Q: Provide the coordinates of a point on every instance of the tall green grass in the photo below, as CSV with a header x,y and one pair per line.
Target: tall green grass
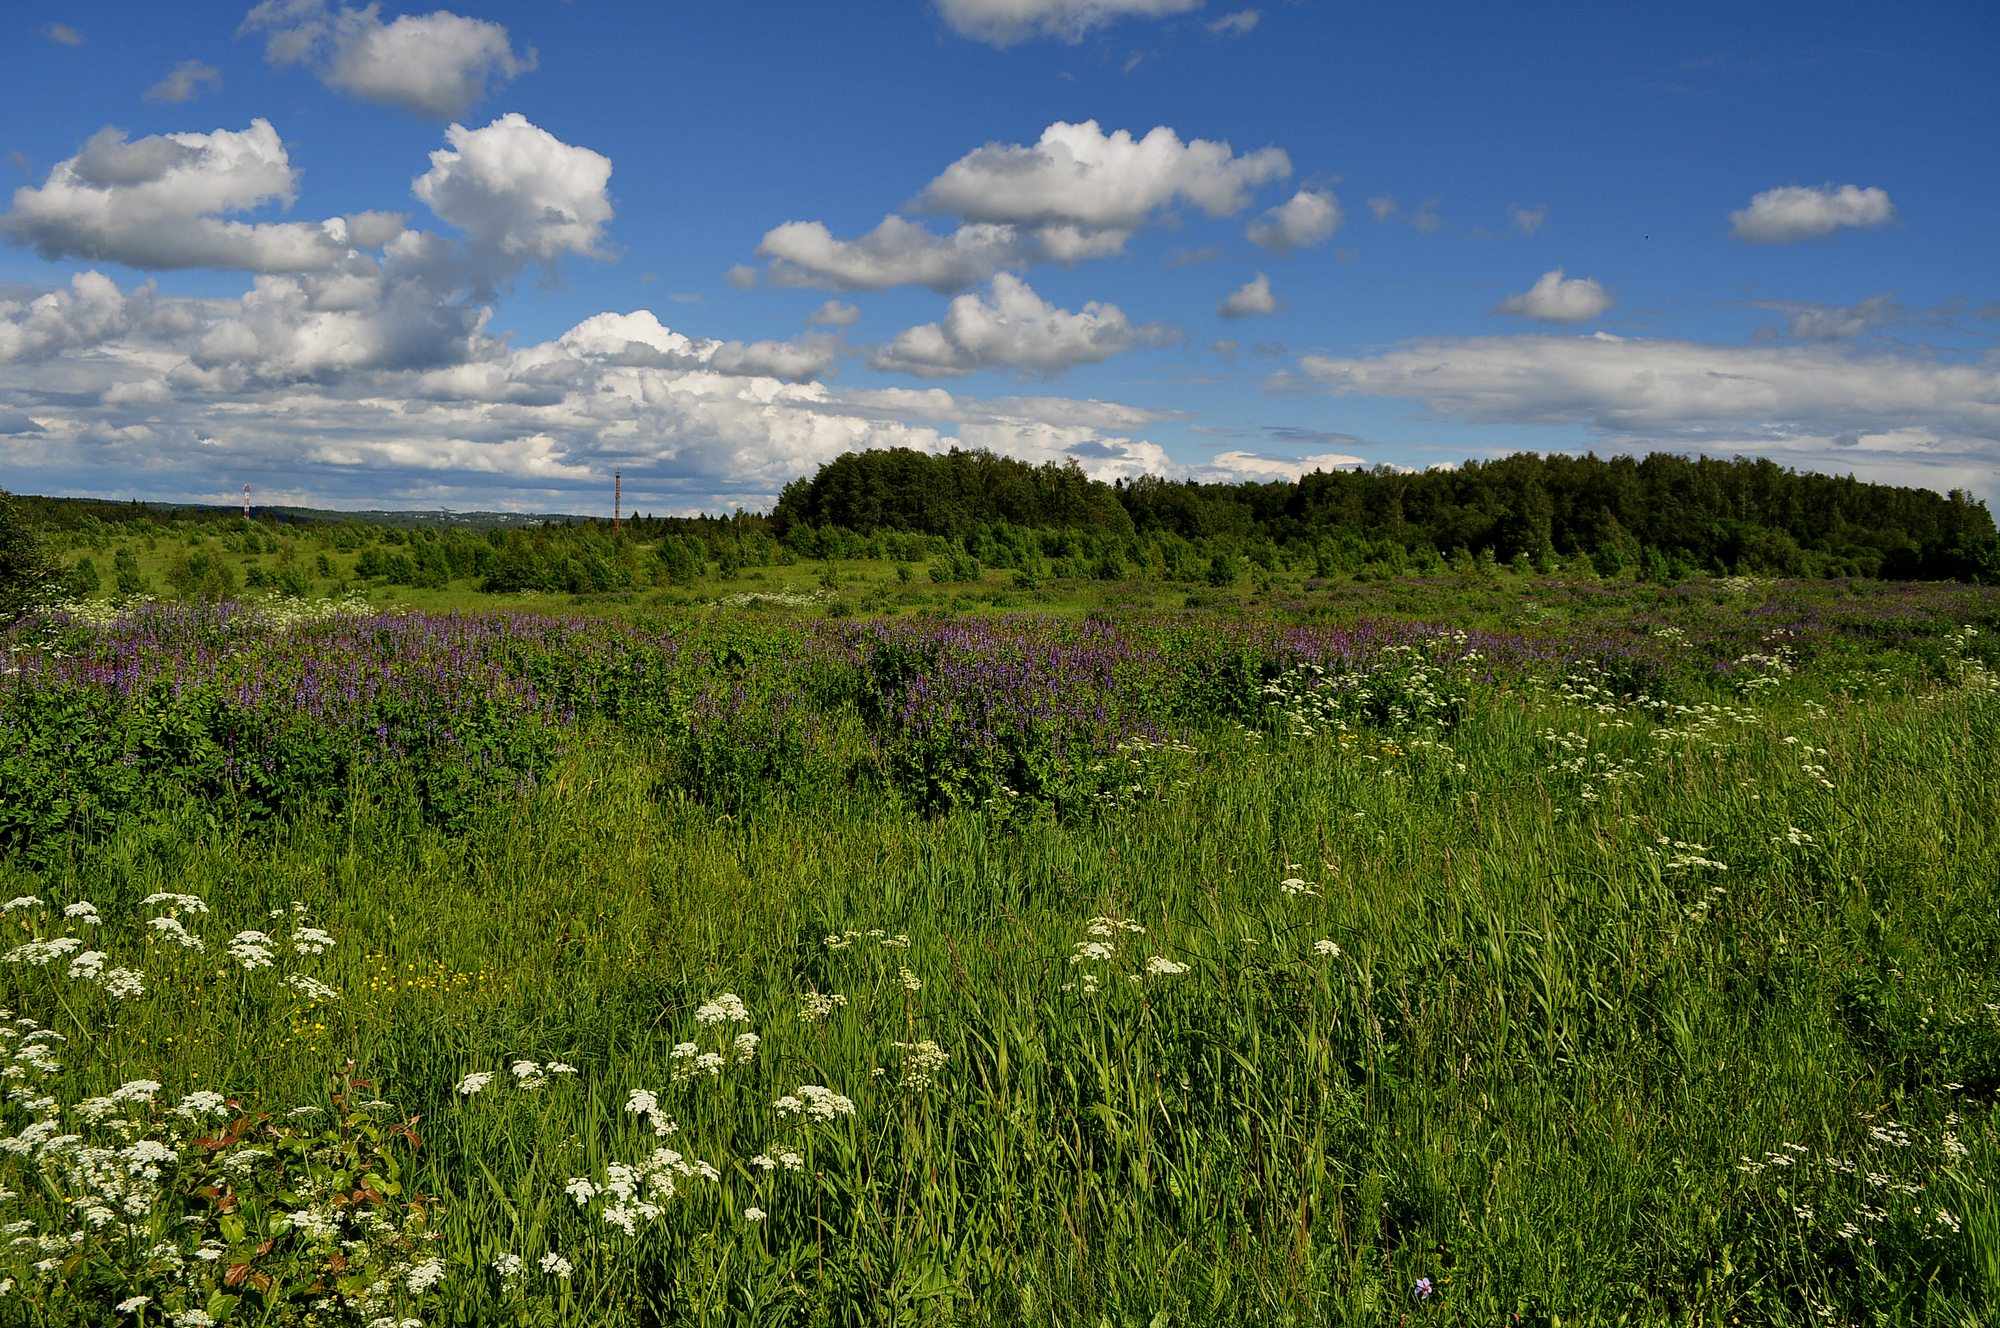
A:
x,y
1578,1012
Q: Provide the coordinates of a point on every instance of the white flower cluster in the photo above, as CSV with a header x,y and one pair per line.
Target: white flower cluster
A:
x,y
815,1103
645,1104
727,1008
529,1076
778,1157
842,940
921,1062
1106,933
253,950
117,1156
1680,855
635,1194
815,1007
692,1060
511,1266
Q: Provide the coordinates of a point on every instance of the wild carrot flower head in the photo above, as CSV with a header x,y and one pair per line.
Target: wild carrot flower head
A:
x,y
816,1006
252,949
816,1103
727,1008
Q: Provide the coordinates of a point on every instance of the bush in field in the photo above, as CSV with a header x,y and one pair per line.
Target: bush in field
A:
x,y
197,574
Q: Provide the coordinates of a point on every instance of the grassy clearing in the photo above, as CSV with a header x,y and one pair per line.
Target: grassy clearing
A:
x,y
1565,1005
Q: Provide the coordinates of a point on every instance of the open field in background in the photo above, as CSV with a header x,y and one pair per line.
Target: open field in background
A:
x,y
1618,951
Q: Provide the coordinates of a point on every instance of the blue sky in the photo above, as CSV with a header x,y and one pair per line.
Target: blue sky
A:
x,y
481,257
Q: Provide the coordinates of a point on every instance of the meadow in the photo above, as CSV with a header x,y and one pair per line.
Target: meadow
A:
x,y
846,947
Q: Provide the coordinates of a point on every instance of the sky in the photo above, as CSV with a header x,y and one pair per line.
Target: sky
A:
x,y
483,257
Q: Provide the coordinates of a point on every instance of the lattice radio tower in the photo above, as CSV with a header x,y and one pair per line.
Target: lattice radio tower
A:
x,y
617,497
246,502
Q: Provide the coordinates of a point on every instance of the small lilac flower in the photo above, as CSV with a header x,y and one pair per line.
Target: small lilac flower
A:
x,y
1422,1290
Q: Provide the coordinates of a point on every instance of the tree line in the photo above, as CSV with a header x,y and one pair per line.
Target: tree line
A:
x,y
1623,513
955,515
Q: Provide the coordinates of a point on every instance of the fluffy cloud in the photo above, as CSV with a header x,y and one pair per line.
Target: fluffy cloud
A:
x,y
323,305
159,202
1797,212
521,194
1250,299
1008,22
403,311
1239,24
184,82
1076,194
1528,220
177,392
1307,218
90,311
1683,391
1015,329
1079,175
900,252
435,64
1557,299
640,339
62,34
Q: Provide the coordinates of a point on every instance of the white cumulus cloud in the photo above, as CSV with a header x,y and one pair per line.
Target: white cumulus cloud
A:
x,y
1307,218
435,64
1008,22
162,202
521,194
1799,212
1555,298
639,339
1250,299
901,252
90,311
1079,175
1014,329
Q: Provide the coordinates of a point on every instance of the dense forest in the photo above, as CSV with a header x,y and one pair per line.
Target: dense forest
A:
x,y
1703,514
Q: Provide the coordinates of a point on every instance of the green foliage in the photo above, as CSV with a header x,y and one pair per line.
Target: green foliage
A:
x,y
955,565
28,573
1572,997
200,574
126,577
681,559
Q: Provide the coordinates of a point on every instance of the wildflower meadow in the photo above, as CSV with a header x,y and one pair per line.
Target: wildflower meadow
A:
x,y
1537,953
